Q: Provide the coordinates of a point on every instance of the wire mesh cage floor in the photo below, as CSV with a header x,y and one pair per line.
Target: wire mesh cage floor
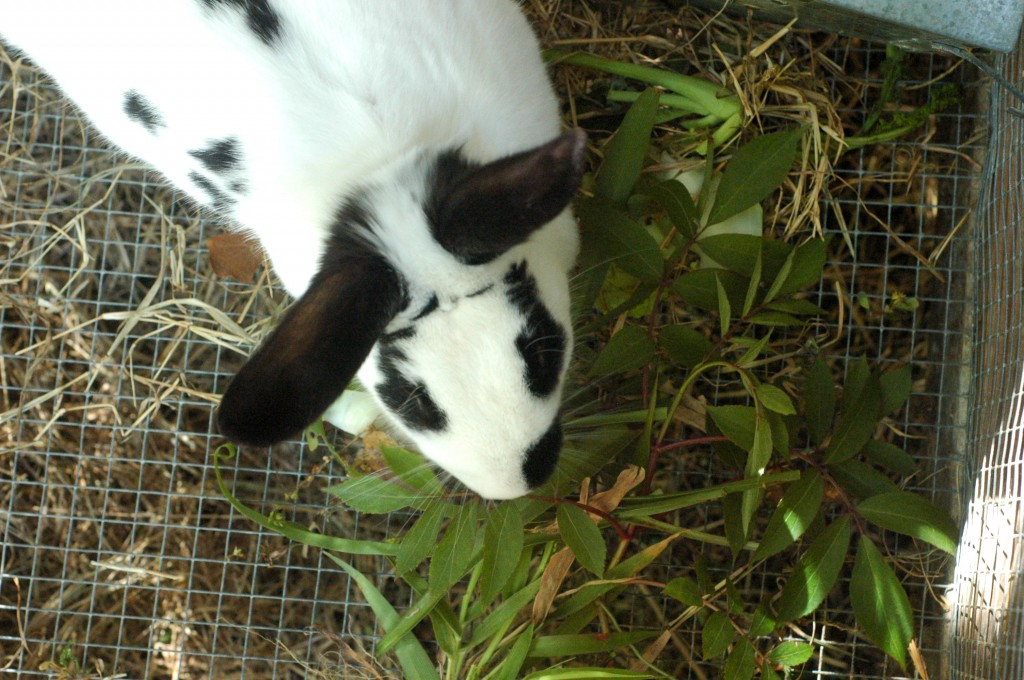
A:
x,y
119,555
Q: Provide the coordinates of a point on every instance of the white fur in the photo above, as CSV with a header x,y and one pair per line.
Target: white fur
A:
x,y
355,92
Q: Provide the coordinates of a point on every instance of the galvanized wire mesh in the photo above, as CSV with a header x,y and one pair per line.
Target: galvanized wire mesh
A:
x,y
987,605
118,553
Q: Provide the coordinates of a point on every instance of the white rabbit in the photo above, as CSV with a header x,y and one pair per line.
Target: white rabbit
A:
x,y
401,163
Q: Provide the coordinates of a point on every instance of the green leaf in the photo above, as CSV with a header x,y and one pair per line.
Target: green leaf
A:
x,y
495,621
733,597
375,495
737,253
513,662
639,561
754,348
684,345
780,278
790,653
503,541
775,319
624,156
412,469
755,283
737,522
416,665
718,634
819,401
774,399
908,513
633,507
761,451
629,349
860,479
754,172
685,590
879,602
794,514
611,237
741,663
735,422
411,618
454,553
761,623
896,386
290,529
700,288
724,308
587,674
780,434
891,457
795,307
622,292
808,264
816,573
421,539
677,202
583,537
857,422
577,645
857,374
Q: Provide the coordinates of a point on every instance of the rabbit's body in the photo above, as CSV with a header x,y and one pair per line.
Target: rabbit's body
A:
x,y
361,143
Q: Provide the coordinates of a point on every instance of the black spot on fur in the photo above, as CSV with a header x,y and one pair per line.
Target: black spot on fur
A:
x,y
409,400
542,341
142,111
220,155
429,308
542,457
219,200
239,187
261,18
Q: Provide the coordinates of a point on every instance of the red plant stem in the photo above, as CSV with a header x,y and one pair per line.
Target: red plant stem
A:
x,y
696,441
619,529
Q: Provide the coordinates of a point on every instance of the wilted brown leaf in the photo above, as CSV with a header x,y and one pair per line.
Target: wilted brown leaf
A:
x,y
551,581
609,500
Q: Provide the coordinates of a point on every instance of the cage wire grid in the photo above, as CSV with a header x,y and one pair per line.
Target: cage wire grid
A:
x,y
118,551
987,625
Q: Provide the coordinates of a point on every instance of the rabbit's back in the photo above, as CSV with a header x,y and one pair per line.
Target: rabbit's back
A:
x,y
271,112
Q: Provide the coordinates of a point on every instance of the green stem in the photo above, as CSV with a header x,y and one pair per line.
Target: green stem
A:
x,y
713,98
683,389
681,102
851,143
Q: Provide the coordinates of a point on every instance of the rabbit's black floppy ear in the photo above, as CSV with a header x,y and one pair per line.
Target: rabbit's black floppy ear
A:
x,y
494,207
309,359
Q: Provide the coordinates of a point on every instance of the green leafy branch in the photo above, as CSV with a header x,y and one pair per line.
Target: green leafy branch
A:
x,y
684,298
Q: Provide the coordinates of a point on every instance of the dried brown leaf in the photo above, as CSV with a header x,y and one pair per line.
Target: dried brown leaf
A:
x,y
234,256
608,500
551,582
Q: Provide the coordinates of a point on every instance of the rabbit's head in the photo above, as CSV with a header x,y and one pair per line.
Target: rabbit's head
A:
x,y
445,285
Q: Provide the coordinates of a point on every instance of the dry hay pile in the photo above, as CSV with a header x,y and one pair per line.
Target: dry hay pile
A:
x,y
115,338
